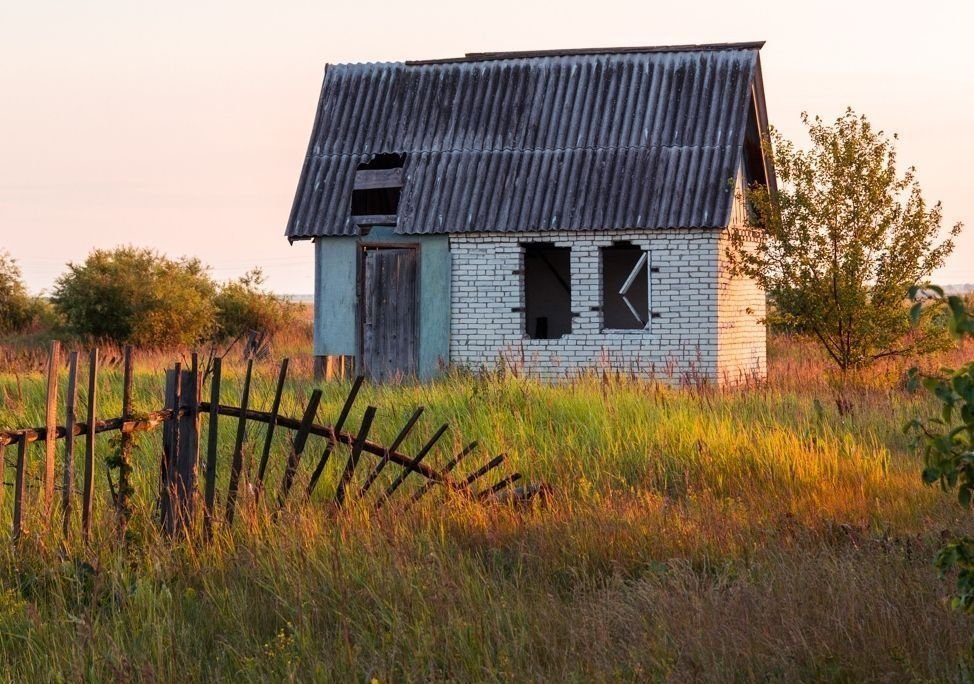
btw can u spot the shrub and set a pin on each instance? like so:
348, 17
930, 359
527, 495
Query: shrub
242, 306
45, 317
844, 237
947, 438
17, 308
137, 296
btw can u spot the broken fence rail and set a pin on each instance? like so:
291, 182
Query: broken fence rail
180, 423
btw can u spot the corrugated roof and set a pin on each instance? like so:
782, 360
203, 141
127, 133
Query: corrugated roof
636, 138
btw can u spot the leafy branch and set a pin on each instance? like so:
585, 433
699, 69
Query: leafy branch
947, 440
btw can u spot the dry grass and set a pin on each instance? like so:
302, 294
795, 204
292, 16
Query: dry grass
754, 534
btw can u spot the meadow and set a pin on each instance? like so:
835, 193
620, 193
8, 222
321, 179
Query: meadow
692, 534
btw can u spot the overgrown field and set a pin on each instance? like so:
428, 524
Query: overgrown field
693, 534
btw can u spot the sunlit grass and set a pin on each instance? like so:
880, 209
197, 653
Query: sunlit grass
691, 534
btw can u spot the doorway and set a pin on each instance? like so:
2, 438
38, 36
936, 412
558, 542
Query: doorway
389, 312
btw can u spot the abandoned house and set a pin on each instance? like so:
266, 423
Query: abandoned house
550, 211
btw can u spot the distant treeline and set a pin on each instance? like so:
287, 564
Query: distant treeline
131, 295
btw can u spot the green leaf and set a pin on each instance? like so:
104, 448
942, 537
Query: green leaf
964, 497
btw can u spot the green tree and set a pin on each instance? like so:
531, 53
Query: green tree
947, 440
842, 240
137, 296
17, 308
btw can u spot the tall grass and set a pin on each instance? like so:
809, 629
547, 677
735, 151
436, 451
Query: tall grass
749, 534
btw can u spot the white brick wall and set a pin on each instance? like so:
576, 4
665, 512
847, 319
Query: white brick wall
701, 331
741, 333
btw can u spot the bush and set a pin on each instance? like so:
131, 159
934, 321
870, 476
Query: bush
843, 238
947, 438
242, 305
129, 295
17, 308
45, 317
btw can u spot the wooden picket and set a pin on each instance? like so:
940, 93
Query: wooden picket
88, 490
179, 420
50, 446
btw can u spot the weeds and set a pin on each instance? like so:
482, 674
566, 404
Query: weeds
710, 534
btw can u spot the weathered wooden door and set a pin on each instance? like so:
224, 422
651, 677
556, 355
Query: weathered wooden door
389, 308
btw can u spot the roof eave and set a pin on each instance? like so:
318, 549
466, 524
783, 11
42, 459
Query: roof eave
295, 204
764, 127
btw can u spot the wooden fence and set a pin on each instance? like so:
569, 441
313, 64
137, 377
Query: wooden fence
179, 421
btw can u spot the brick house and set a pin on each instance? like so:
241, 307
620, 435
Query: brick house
551, 211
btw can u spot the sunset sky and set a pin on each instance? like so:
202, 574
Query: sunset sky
182, 126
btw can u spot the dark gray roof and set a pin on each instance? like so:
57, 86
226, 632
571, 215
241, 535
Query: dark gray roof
623, 138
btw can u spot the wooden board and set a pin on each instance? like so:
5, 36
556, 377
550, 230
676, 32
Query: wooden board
88, 487
389, 308
377, 178
50, 447
188, 454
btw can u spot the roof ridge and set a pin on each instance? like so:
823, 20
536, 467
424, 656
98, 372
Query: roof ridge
521, 150
568, 52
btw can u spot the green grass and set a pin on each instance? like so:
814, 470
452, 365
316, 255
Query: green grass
750, 534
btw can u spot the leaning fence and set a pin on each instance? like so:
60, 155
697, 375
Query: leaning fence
184, 462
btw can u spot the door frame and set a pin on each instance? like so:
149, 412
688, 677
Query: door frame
363, 248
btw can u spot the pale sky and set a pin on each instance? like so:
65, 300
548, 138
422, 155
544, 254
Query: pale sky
182, 126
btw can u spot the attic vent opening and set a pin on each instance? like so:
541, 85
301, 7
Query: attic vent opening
625, 287
547, 291
754, 171
376, 191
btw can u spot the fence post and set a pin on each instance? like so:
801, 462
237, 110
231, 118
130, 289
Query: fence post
50, 444
271, 424
209, 494
482, 470
498, 487
19, 486
123, 505
391, 489
300, 440
87, 502
447, 469
339, 424
336, 367
170, 450
353, 457
384, 461
236, 464
70, 418
188, 449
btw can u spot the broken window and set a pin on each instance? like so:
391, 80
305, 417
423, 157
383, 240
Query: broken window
377, 187
547, 291
625, 287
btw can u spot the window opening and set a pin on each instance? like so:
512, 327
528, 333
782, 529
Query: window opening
547, 291
625, 287
377, 188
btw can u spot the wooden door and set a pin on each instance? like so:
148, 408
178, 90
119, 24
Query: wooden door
389, 308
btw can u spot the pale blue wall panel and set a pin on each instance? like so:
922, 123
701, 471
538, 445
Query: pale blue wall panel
434, 306
335, 326
336, 307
